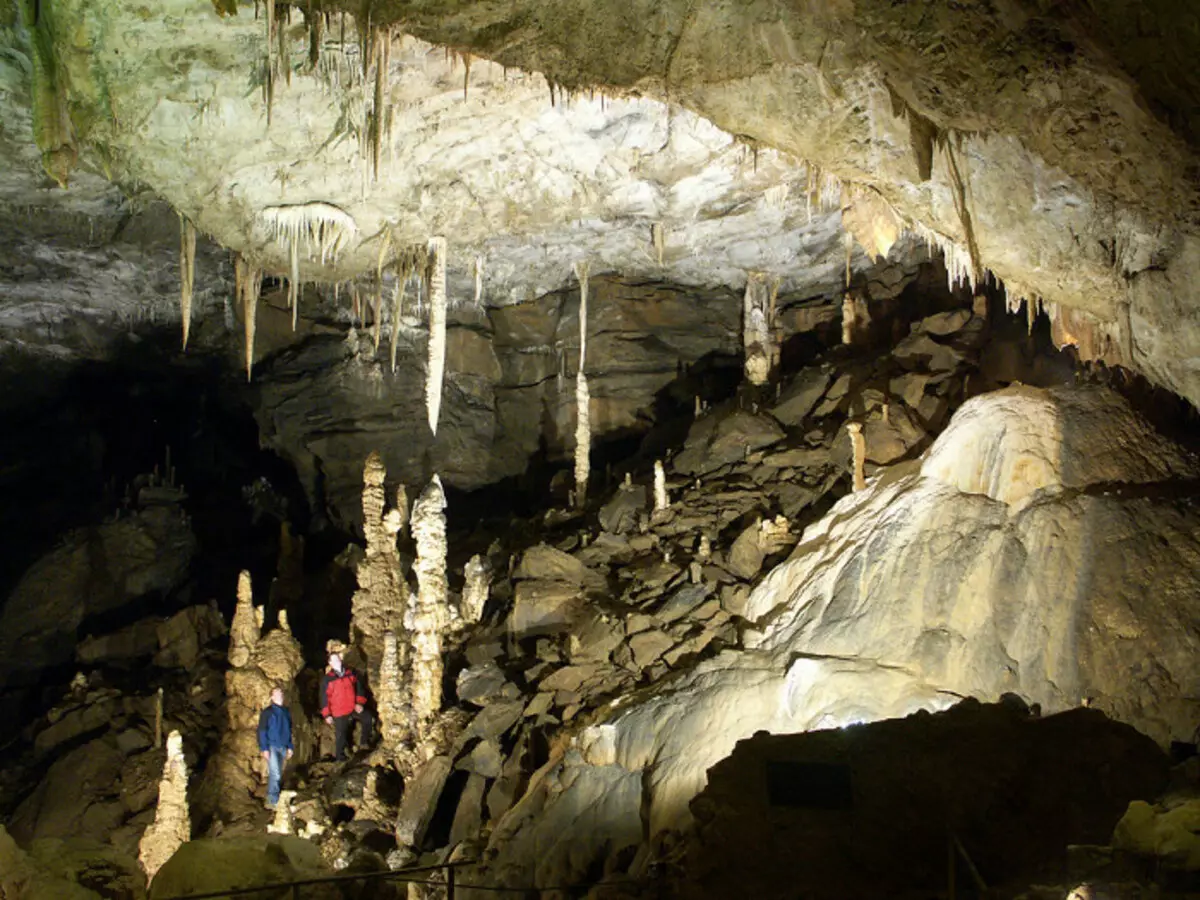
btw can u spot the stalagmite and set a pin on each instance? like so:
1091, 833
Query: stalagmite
259, 663
244, 629
856, 317
756, 329
187, 273
158, 718
661, 502
379, 603
583, 425
859, 445
284, 822
436, 369
172, 826
427, 618
477, 581
395, 717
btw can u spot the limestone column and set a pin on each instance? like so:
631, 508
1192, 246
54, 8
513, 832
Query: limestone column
172, 826
756, 329
427, 617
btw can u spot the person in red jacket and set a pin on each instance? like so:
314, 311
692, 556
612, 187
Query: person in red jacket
343, 701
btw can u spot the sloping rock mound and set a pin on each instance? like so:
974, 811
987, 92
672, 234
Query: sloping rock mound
904, 596
1012, 443
868, 811
214, 864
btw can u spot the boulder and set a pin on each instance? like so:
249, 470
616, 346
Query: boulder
801, 395
546, 563
480, 684
724, 437
420, 801
620, 514
544, 607
137, 640
182, 636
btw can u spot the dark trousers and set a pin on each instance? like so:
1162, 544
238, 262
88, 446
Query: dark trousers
341, 731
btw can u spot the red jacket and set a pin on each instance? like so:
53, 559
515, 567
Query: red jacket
340, 693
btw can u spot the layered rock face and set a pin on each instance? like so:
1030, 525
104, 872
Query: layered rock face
509, 395
1023, 566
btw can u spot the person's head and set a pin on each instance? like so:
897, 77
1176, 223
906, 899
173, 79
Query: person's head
335, 661
277, 696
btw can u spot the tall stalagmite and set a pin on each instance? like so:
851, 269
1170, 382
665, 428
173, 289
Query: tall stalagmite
436, 368
395, 714
187, 273
258, 663
583, 424
379, 603
172, 826
244, 630
756, 330
427, 618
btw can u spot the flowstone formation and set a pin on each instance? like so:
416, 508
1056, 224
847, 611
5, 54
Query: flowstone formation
1014, 557
258, 663
172, 827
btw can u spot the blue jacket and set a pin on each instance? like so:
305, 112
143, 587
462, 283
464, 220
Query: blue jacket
274, 728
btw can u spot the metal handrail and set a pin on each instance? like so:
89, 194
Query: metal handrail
334, 879
392, 874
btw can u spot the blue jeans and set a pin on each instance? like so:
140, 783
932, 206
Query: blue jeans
276, 757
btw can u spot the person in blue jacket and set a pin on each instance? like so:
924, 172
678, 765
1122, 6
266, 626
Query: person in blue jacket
275, 742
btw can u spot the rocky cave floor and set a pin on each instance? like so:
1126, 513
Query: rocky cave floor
589, 610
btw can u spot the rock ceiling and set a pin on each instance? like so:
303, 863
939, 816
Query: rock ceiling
1043, 143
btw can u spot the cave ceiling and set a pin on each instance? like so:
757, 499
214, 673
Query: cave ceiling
1050, 145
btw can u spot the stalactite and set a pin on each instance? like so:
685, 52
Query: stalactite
427, 618
397, 311
249, 282
323, 228
172, 826
187, 273
284, 56
377, 325
858, 446
658, 239
436, 368
478, 281
583, 425
269, 75
661, 501
244, 630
